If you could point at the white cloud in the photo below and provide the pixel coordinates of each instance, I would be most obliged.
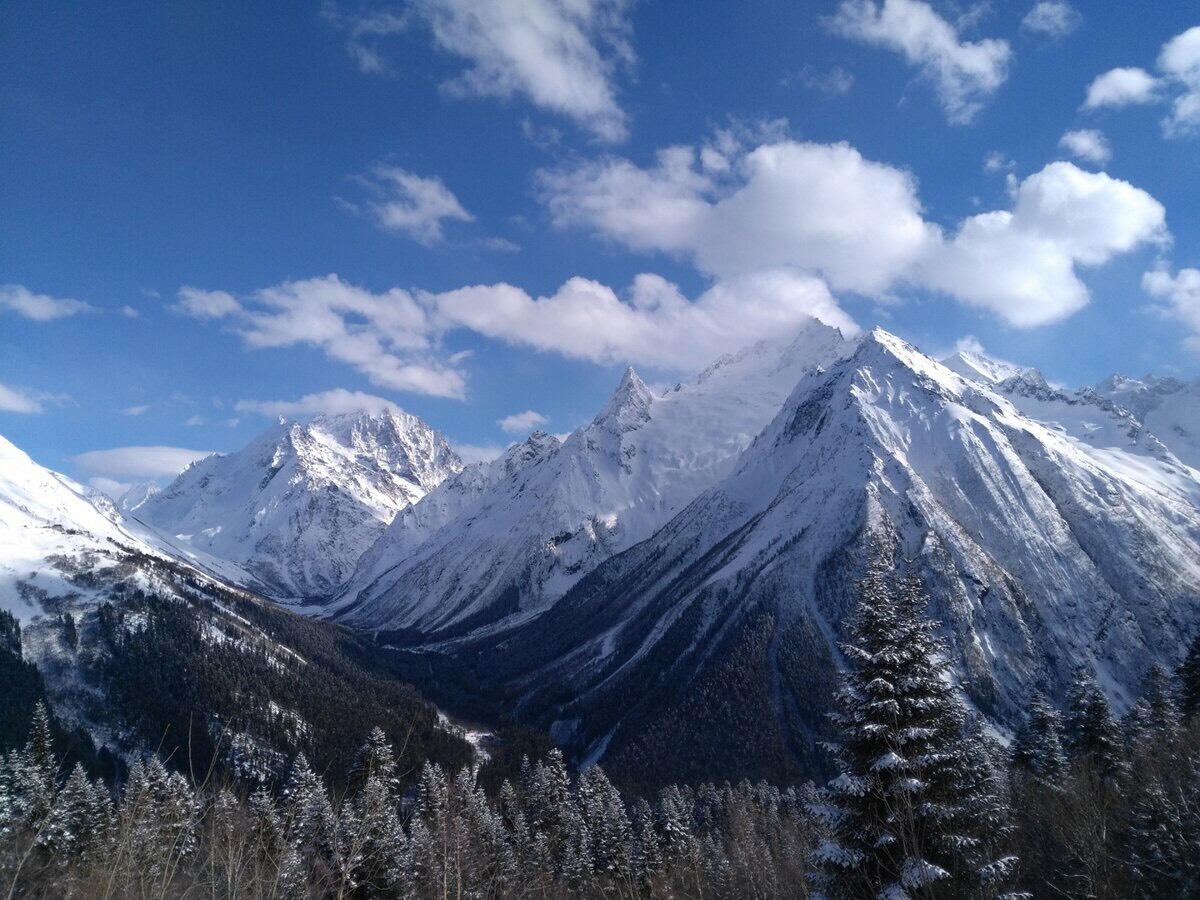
(519, 423)
(363, 31)
(561, 55)
(1180, 62)
(784, 204)
(825, 210)
(133, 410)
(963, 73)
(18, 400)
(475, 453)
(1121, 87)
(1087, 144)
(1181, 293)
(997, 162)
(138, 462)
(201, 304)
(657, 326)
(834, 83)
(129, 312)
(1021, 264)
(417, 206)
(1053, 18)
(194, 421)
(38, 307)
(387, 337)
(336, 402)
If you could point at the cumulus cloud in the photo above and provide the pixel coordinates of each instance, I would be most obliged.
(1087, 144)
(1179, 61)
(138, 462)
(411, 204)
(387, 337)
(38, 307)
(519, 423)
(1021, 264)
(963, 73)
(133, 410)
(560, 55)
(1054, 18)
(1121, 87)
(783, 204)
(1181, 296)
(824, 210)
(657, 326)
(336, 402)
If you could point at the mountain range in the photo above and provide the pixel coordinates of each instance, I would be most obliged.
(665, 588)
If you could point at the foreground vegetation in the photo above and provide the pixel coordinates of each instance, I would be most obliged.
(926, 805)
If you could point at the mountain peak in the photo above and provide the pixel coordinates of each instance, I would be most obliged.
(629, 406)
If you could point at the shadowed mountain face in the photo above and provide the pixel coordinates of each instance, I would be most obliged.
(710, 648)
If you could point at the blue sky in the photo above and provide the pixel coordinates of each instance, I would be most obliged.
(212, 214)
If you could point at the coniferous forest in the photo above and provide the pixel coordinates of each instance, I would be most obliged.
(927, 802)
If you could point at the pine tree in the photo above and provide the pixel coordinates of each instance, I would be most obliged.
(1164, 855)
(74, 822)
(1038, 746)
(607, 822)
(36, 772)
(1092, 732)
(902, 818)
(1155, 716)
(1189, 680)
(310, 818)
(376, 758)
(648, 861)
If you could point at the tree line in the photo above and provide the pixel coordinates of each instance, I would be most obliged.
(927, 802)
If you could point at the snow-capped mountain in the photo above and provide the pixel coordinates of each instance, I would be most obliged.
(1041, 552)
(301, 502)
(47, 516)
(139, 649)
(510, 538)
(1169, 407)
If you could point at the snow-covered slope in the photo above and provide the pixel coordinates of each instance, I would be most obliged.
(1170, 408)
(299, 504)
(509, 539)
(1041, 552)
(45, 517)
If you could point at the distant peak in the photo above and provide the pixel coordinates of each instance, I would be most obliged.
(630, 403)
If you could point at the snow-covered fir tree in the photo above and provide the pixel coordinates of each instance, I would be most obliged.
(904, 817)
(1038, 748)
(1092, 732)
(1189, 679)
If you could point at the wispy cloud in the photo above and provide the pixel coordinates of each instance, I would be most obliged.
(138, 462)
(19, 299)
(963, 73)
(401, 201)
(1056, 19)
(338, 401)
(560, 55)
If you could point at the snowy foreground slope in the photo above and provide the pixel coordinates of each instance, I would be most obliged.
(297, 506)
(507, 539)
(1044, 546)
